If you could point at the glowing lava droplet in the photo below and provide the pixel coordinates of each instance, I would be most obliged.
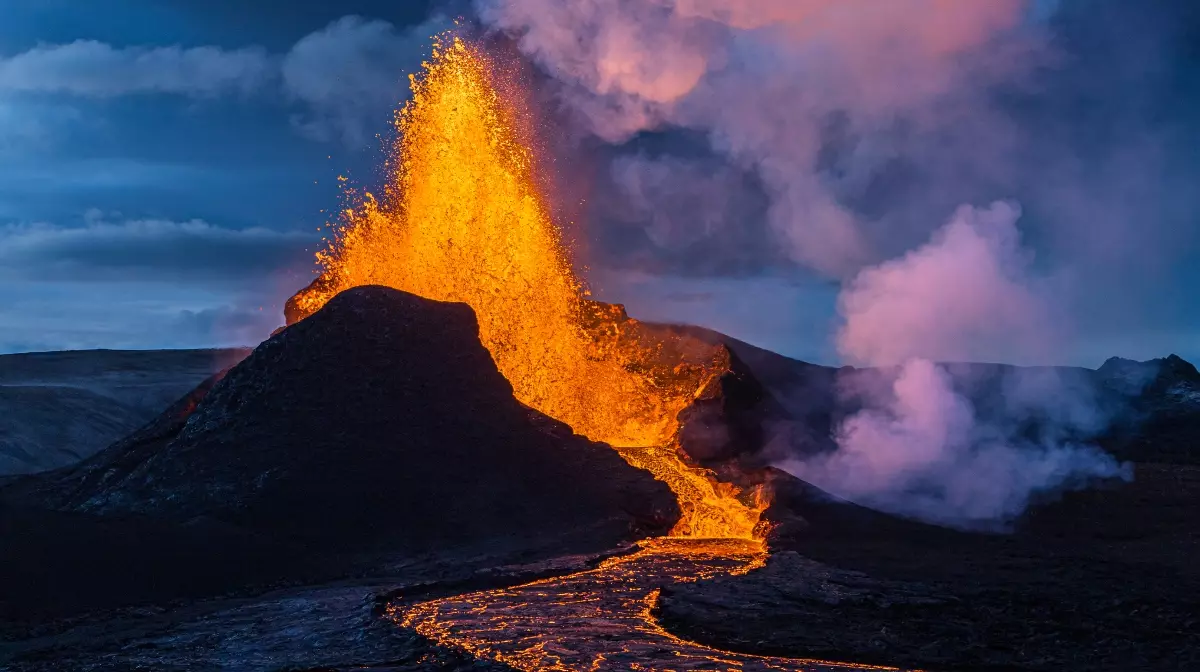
(464, 220)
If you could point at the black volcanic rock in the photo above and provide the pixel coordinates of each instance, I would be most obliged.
(726, 419)
(1162, 397)
(1104, 579)
(726, 427)
(374, 436)
(66, 489)
(1155, 376)
(381, 421)
(801, 513)
(1140, 411)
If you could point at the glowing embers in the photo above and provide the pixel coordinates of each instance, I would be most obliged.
(600, 619)
(463, 220)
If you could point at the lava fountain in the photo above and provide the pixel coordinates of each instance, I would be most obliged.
(462, 218)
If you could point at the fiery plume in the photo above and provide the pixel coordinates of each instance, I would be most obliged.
(463, 219)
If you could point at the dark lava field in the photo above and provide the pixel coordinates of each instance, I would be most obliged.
(363, 491)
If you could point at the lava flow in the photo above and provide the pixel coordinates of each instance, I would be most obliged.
(601, 619)
(463, 219)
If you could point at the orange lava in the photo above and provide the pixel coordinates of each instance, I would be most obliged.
(600, 619)
(463, 219)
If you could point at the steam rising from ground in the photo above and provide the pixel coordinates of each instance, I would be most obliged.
(964, 296)
(919, 450)
(917, 447)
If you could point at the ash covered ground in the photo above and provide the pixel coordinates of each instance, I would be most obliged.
(370, 458)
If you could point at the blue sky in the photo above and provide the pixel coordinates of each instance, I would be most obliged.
(166, 165)
(164, 171)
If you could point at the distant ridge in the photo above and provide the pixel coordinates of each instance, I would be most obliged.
(59, 407)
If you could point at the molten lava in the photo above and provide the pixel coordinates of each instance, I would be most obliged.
(463, 219)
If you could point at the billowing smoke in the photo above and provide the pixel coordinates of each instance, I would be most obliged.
(964, 296)
(918, 447)
(769, 82)
(864, 125)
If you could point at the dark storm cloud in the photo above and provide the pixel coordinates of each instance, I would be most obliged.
(149, 249)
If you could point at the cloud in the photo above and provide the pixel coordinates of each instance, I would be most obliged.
(132, 315)
(768, 82)
(346, 78)
(147, 249)
(145, 283)
(917, 445)
(224, 325)
(918, 449)
(351, 75)
(966, 295)
(28, 127)
(95, 69)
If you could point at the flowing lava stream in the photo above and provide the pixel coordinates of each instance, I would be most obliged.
(463, 219)
(600, 619)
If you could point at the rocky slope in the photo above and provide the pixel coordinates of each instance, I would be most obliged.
(378, 425)
(1140, 411)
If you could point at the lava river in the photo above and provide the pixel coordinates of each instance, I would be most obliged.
(601, 619)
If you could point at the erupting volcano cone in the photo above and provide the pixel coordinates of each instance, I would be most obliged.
(463, 220)
(380, 420)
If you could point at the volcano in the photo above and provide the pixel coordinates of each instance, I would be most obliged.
(339, 427)
(378, 425)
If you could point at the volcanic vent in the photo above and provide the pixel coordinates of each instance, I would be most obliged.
(462, 219)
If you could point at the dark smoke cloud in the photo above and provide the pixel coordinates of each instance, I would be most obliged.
(690, 214)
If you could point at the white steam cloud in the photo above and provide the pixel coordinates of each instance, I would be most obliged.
(964, 296)
(917, 447)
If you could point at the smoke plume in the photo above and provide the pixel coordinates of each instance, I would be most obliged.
(865, 124)
(768, 82)
(966, 295)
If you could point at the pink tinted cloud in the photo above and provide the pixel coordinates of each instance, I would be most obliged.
(967, 295)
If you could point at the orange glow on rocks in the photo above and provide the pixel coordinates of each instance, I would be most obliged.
(463, 219)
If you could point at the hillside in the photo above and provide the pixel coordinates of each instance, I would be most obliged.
(57, 408)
